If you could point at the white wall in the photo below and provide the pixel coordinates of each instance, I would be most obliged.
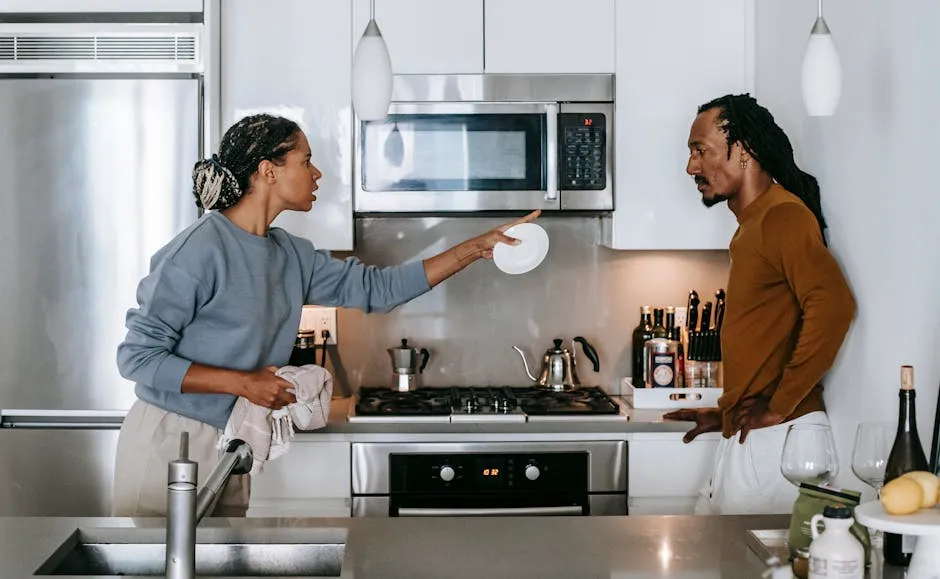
(878, 163)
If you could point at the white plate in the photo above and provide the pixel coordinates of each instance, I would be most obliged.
(526, 256)
(923, 522)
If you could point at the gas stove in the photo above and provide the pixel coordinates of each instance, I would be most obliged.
(484, 404)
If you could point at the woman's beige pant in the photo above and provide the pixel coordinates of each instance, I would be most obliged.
(149, 440)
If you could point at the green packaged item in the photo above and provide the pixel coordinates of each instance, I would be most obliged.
(812, 501)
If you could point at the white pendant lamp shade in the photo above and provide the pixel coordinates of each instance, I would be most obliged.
(371, 75)
(822, 72)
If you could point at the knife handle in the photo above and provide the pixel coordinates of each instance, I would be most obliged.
(719, 308)
(706, 317)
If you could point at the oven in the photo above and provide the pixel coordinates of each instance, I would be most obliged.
(492, 142)
(489, 479)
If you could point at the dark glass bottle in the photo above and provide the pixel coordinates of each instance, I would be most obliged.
(305, 349)
(642, 333)
(670, 321)
(659, 329)
(907, 454)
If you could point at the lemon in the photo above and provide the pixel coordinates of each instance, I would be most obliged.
(929, 483)
(902, 496)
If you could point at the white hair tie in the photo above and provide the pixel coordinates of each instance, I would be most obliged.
(212, 182)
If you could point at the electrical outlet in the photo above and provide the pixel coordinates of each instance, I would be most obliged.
(682, 314)
(318, 318)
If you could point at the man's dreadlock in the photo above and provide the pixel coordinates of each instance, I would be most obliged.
(744, 121)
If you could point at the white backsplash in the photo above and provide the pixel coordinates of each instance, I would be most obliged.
(471, 321)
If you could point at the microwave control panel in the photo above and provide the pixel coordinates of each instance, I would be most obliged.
(582, 151)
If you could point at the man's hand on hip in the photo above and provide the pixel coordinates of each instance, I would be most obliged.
(705, 419)
(753, 413)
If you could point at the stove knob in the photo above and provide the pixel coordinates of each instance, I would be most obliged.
(447, 474)
(532, 472)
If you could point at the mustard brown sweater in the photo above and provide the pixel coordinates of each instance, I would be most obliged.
(788, 309)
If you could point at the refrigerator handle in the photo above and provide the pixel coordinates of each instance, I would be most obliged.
(40, 419)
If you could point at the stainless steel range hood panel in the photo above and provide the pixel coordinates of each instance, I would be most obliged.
(503, 88)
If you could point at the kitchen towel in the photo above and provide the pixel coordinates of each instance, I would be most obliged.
(267, 431)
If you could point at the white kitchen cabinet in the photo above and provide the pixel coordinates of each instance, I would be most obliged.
(672, 57)
(311, 480)
(427, 36)
(665, 474)
(550, 36)
(293, 58)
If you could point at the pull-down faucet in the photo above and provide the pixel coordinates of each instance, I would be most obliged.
(185, 508)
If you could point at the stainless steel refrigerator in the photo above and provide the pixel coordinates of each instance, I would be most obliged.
(96, 176)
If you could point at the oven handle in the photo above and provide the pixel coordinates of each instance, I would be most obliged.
(494, 512)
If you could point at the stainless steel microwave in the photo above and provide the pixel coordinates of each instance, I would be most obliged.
(491, 142)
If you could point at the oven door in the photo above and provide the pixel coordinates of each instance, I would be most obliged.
(489, 478)
(447, 157)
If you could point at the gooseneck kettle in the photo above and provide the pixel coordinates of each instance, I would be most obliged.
(559, 365)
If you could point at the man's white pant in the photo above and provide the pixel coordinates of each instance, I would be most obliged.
(746, 479)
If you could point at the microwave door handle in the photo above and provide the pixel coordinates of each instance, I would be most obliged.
(551, 152)
(493, 512)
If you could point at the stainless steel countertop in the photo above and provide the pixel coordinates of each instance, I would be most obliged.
(495, 548)
(636, 422)
(640, 422)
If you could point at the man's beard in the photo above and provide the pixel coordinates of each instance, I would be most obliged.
(714, 199)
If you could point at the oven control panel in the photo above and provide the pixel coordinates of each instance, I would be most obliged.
(475, 472)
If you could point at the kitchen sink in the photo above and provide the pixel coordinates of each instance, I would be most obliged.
(227, 552)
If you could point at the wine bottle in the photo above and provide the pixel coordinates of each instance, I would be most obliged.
(907, 454)
(641, 334)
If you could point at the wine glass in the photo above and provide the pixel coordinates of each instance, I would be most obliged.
(809, 455)
(873, 442)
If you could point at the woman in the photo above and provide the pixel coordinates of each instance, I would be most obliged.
(220, 309)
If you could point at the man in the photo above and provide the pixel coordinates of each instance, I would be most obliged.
(788, 306)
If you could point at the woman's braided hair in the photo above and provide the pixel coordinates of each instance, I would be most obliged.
(221, 180)
(746, 122)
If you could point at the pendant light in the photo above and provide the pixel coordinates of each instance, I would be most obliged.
(371, 73)
(822, 73)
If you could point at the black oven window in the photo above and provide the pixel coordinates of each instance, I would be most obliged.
(471, 152)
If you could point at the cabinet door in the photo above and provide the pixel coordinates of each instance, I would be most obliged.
(665, 474)
(549, 36)
(311, 480)
(427, 36)
(298, 65)
(672, 57)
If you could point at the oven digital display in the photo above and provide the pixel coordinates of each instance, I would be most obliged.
(490, 472)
